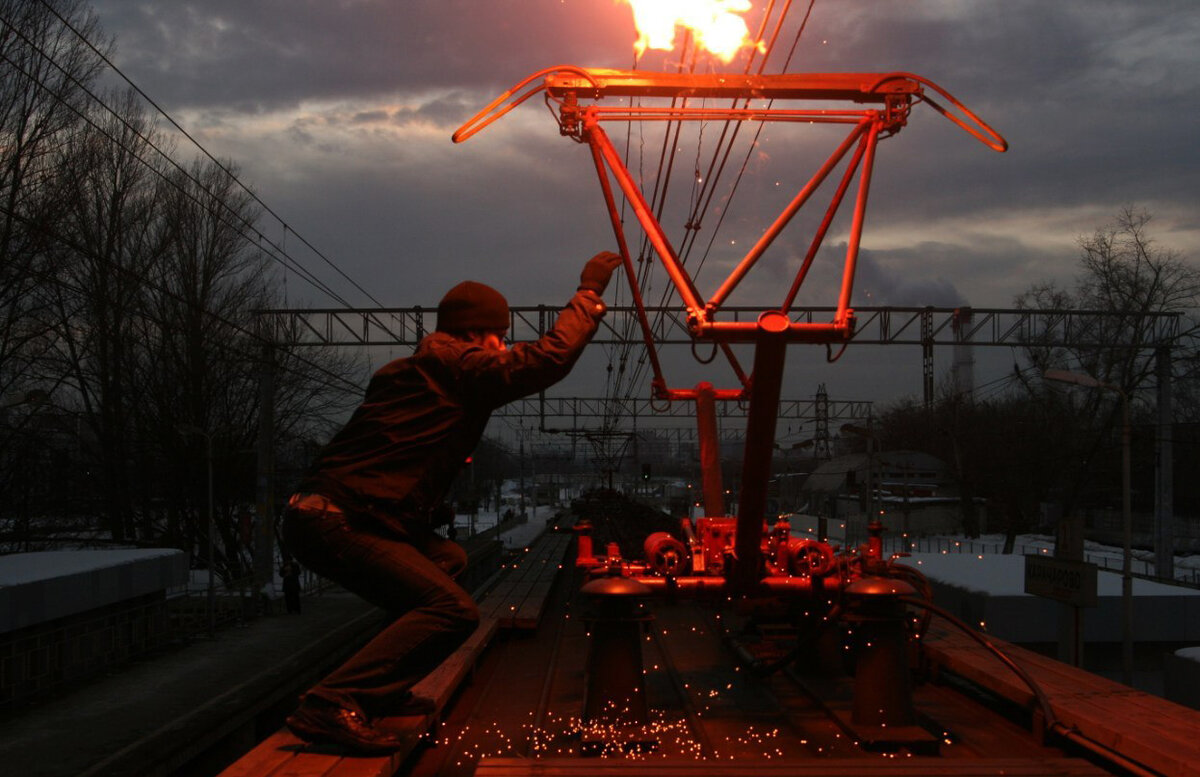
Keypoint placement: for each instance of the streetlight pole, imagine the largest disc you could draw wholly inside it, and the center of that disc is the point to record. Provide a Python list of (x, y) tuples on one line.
[(212, 584), (521, 438), (785, 485), (1127, 550), (1080, 379), (212, 525), (871, 438)]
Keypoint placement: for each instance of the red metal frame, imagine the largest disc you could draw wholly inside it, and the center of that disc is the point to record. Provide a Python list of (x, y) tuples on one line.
[(702, 313), (887, 97), (596, 83), (773, 331)]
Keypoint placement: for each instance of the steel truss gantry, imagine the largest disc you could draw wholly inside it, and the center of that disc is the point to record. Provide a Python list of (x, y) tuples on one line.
[(927, 327), (924, 326), (554, 410)]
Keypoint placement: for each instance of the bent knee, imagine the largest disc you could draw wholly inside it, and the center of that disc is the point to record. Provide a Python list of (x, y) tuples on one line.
[(460, 614), (467, 616), (452, 560)]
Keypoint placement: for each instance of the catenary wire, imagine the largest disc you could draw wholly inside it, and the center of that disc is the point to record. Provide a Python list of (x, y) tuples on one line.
[(277, 253), (754, 142), (344, 382), (334, 381), (206, 153), (722, 150)]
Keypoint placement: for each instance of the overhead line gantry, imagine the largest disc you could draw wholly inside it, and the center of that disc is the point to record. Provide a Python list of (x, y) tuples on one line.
[(927, 327), (932, 326)]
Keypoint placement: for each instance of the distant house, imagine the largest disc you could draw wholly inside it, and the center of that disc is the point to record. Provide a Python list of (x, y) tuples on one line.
[(911, 491)]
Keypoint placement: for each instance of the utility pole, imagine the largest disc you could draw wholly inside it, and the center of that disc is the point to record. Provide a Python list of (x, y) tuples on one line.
[(212, 527), (1164, 480), (521, 438), (1081, 379), (264, 534)]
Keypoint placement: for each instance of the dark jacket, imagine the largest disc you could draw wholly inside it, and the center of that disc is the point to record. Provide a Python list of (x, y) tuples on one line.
[(423, 416)]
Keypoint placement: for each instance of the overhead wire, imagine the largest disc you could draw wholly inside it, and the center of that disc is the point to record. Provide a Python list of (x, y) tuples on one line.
[(277, 254), (621, 382), (334, 381), (103, 57), (722, 150), (750, 149), (117, 142), (999, 385), (618, 356), (658, 204), (242, 226), (644, 261), (613, 384)]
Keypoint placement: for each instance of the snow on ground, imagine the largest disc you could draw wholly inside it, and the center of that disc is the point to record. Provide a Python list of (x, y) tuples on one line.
[(21, 568), (998, 574), (977, 565), (1106, 557)]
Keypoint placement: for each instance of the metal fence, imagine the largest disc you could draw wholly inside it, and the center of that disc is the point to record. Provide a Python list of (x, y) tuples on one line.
[(1105, 559)]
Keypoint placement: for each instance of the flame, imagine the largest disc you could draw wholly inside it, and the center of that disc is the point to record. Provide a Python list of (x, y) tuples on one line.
[(715, 25)]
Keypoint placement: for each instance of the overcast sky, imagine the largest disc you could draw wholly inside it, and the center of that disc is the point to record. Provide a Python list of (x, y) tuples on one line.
[(339, 115)]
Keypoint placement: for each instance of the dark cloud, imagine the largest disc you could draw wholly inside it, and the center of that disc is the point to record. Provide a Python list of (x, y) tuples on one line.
[(370, 117), (340, 115), (447, 112), (900, 279), (261, 54)]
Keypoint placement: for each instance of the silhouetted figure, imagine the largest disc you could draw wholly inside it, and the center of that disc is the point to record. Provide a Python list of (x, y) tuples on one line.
[(365, 514), (291, 587)]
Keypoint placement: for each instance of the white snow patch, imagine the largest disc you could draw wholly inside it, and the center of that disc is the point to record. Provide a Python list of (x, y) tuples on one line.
[(22, 568)]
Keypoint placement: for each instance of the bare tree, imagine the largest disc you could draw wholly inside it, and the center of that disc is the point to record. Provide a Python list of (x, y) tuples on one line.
[(128, 291), (1042, 444), (204, 388), (109, 247), (1125, 275), (206, 283), (204, 347), (1008, 450), (44, 72)]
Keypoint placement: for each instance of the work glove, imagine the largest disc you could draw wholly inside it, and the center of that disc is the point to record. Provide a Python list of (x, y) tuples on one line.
[(598, 271)]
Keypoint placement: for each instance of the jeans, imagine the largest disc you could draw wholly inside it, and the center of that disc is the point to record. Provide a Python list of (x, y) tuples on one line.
[(409, 576)]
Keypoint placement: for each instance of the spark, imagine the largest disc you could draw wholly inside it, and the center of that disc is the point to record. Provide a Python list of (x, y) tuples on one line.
[(715, 25)]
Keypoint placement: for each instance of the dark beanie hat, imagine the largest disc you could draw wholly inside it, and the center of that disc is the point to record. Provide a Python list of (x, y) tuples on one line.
[(472, 307)]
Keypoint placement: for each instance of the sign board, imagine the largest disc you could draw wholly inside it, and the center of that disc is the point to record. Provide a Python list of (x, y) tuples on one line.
[(1072, 582)]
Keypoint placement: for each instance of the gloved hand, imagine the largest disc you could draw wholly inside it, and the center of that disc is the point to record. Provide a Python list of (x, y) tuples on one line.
[(598, 271)]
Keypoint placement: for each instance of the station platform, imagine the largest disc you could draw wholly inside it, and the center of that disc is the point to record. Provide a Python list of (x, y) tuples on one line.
[(246, 676), (114, 725)]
